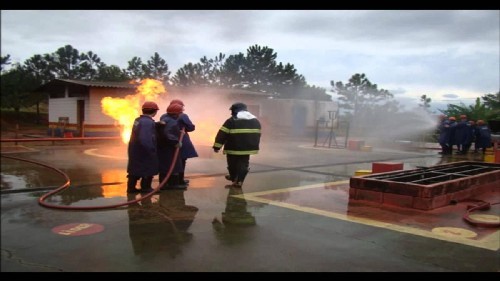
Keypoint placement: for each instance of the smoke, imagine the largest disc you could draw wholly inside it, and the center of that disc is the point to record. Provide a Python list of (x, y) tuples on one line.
[(386, 127), (206, 108)]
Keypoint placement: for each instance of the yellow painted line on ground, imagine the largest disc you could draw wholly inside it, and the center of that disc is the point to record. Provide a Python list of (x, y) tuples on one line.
[(490, 242), (93, 153), (288, 189)]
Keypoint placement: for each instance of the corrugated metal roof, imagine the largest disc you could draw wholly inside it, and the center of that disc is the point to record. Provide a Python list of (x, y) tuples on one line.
[(128, 85), (101, 84)]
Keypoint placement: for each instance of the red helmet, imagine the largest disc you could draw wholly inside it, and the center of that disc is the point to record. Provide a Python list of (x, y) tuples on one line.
[(150, 105), (175, 108), (177, 101)]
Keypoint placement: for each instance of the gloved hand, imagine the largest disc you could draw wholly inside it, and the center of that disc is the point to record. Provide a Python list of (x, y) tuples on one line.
[(216, 150), (178, 145)]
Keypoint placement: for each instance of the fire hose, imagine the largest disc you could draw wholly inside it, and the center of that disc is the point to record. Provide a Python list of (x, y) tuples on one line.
[(481, 205), (66, 185)]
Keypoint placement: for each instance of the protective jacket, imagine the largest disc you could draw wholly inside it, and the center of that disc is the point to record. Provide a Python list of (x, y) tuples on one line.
[(483, 137), (168, 138), (142, 151), (187, 149), (240, 135)]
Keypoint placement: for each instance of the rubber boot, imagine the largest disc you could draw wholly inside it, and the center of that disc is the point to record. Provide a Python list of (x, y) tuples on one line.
[(146, 184), (242, 174), (131, 183), (182, 181), (161, 177), (173, 183)]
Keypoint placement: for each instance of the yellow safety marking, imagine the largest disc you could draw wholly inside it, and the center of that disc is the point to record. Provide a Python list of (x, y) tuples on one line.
[(490, 242), (93, 153), (454, 232), (485, 218)]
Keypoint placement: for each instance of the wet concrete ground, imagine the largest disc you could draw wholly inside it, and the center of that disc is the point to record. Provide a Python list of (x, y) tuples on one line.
[(292, 214)]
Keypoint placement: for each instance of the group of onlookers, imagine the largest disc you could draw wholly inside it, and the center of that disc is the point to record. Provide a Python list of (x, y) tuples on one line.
[(462, 134)]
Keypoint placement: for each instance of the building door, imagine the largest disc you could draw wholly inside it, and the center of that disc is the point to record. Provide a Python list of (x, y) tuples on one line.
[(299, 114), (80, 116)]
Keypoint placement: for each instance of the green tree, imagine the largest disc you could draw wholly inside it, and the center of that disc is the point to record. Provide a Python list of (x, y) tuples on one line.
[(157, 68), (425, 102), (259, 69), (211, 69), (205, 73), (17, 85), (89, 65), (232, 71), (189, 75), (111, 73), (474, 112), (39, 67), (492, 102), (4, 61), (136, 69), (65, 62), (361, 101), (359, 93), (288, 83)]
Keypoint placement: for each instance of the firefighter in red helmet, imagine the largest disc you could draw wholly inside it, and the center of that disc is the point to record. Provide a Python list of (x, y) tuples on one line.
[(462, 135), (168, 141), (150, 105), (142, 152), (483, 136), (187, 150)]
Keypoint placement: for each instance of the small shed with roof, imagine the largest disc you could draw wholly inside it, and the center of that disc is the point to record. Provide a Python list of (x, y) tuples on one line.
[(75, 106)]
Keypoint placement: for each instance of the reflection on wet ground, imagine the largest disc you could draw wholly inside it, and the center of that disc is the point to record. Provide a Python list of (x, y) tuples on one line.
[(292, 214)]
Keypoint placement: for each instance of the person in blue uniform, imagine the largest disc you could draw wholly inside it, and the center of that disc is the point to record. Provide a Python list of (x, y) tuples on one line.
[(483, 136), (169, 135), (240, 137), (444, 135), (461, 134), (187, 150), (142, 150)]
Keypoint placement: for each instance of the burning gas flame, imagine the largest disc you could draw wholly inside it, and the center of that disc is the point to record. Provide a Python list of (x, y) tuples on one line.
[(126, 109)]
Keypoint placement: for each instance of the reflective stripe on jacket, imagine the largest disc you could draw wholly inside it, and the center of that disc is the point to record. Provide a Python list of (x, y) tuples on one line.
[(240, 135)]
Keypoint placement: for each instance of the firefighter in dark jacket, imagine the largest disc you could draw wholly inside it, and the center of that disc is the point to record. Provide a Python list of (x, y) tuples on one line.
[(169, 135), (142, 152), (187, 150), (240, 137), (483, 136)]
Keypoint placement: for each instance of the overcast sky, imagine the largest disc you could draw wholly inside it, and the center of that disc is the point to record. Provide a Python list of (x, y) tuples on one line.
[(451, 56)]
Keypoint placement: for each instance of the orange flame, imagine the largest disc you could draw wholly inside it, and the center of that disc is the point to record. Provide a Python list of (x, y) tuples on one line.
[(126, 109), (205, 132)]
